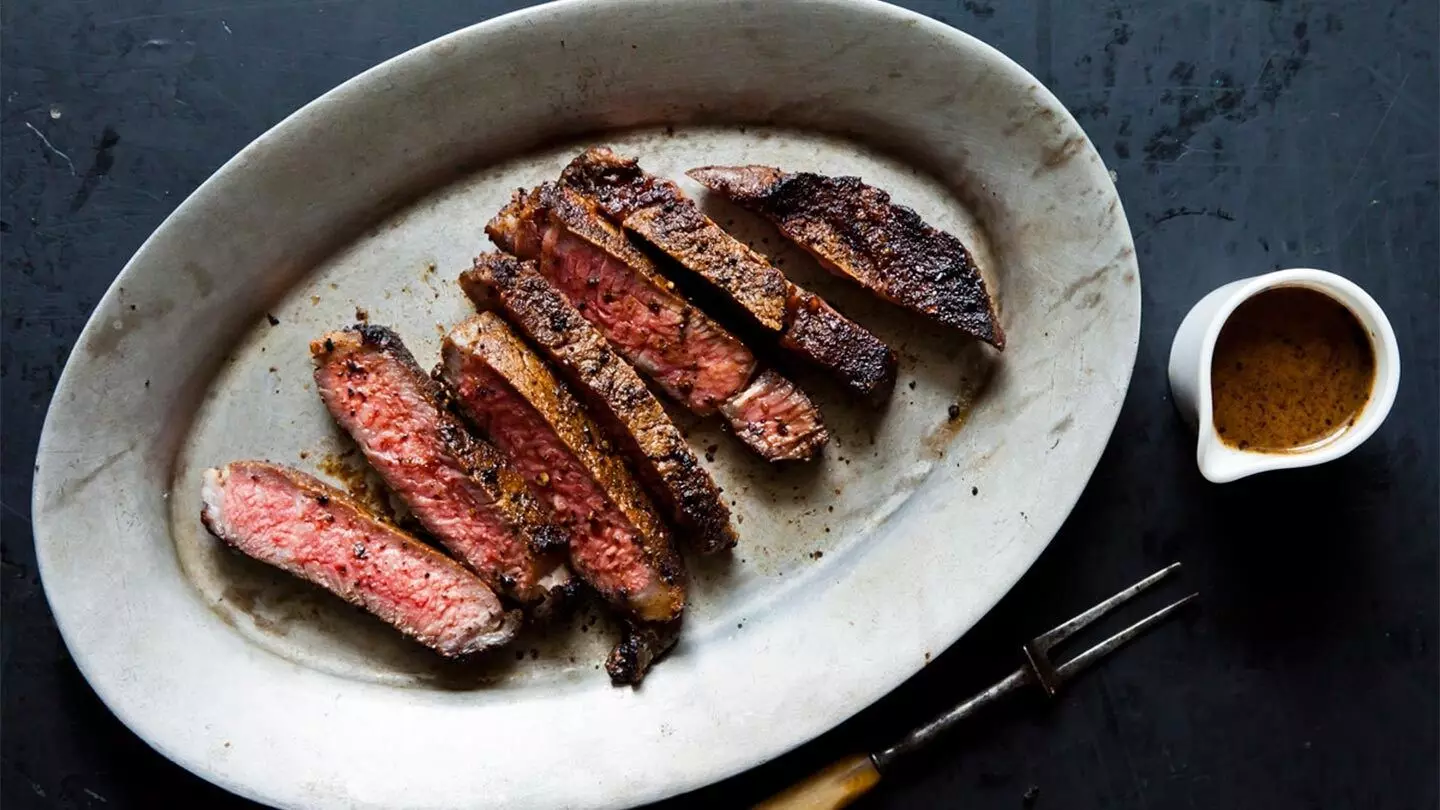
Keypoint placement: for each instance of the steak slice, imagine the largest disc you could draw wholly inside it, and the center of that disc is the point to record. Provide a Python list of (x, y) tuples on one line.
[(616, 394), (857, 233), (691, 357), (459, 487), (321, 535), (856, 357), (658, 210), (618, 542)]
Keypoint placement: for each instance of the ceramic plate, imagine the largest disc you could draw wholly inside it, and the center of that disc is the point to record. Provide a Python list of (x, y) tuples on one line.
[(852, 572)]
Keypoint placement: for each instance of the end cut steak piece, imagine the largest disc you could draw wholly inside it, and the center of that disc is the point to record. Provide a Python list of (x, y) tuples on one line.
[(617, 395), (856, 232), (853, 355), (318, 533), (775, 418), (695, 360), (640, 647), (618, 543), (459, 487), (657, 210)]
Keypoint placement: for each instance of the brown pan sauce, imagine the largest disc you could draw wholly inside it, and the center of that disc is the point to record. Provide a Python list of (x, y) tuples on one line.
[(1292, 369)]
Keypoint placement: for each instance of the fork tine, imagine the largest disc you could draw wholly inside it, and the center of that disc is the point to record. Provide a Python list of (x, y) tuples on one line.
[(1071, 627), (1068, 669)]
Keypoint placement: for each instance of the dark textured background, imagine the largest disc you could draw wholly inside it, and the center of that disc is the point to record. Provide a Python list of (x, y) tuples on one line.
[(1248, 135)]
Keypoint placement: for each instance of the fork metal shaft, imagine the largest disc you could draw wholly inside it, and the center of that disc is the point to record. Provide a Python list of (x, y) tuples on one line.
[(922, 736)]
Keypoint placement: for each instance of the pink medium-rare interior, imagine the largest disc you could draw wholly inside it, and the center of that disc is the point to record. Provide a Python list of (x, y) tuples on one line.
[(376, 399), (774, 414), (690, 356), (603, 543), (267, 516)]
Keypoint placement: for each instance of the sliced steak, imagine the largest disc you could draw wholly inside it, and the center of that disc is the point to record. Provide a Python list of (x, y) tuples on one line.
[(318, 533), (459, 487), (657, 210), (616, 394), (618, 543), (856, 232), (692, 358), (695, 360), (778, 418), (856, 357)]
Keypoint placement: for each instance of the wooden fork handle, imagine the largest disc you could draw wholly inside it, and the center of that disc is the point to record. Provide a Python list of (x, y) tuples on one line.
[(835, 787)]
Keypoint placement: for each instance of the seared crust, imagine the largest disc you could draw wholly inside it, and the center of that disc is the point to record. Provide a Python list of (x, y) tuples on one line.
[(486, 339), (657, 210), (855, 231), (639, 648), (617, 396), (814, 329), (543, 576), (693, 239)]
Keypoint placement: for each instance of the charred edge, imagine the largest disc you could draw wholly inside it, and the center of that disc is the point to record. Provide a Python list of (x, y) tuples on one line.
[(557, 602), (494, 269), (490, 477), (458, 441), (863, 362), (616, 183), (669, 564), (211, 526), (382, 337), (699, 502), (548, 537), (641, 646), (968, 307)]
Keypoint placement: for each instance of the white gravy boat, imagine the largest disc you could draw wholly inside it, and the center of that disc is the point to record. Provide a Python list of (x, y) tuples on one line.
[(1192, 353)]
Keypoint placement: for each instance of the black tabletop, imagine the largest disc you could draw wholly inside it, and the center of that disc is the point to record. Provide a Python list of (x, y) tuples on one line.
[(1246, 136)]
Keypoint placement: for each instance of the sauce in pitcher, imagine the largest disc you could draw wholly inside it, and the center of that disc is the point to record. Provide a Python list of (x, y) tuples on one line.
[(1292, 369)]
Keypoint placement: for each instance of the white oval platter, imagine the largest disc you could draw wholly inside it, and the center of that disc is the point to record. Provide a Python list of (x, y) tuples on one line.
[(852, 572)]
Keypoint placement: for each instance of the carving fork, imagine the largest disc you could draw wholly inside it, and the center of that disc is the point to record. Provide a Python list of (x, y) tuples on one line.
[(850, 778)]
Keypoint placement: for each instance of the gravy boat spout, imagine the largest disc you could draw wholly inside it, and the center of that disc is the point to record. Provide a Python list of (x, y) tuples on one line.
[(1192, 355)]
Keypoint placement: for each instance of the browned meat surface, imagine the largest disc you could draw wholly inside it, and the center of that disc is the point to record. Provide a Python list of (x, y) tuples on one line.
[(460, 488), (658, 211), (855, 231), (296, 523), (779, 418), (616, 394), (615, 287), (618, 543), (859, 359), (640, 647)]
